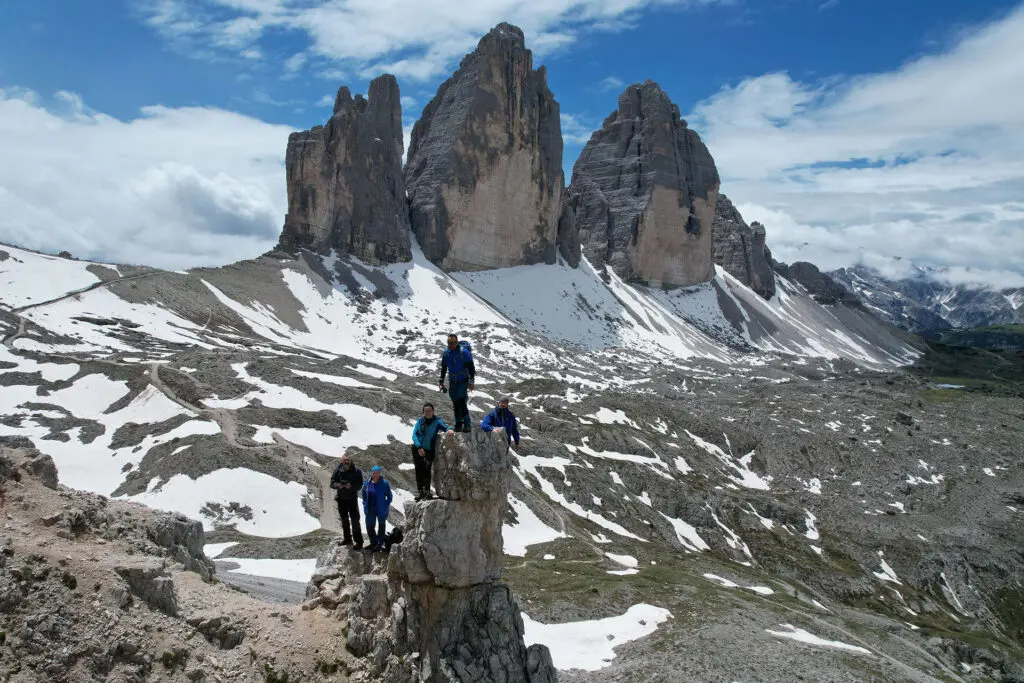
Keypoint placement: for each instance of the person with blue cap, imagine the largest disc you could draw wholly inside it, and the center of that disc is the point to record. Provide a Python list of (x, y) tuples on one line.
[(376, 506)]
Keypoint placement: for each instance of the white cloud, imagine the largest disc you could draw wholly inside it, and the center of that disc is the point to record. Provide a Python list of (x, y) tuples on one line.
[(294, 63), (925, 162), (610, 83), (171, 188), (411, 38), (408, 102), (326, 101), (574, 130)]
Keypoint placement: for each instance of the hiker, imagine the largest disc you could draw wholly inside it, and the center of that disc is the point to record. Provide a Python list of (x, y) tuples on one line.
[(501, 417), (347, 481), (457, 363), (376, 505), (424, 439)]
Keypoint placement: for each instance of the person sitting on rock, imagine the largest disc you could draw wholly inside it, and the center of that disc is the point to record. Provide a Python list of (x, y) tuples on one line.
[(457, 363), (424, 440), (376, 506), (347, 481), (502, 418)]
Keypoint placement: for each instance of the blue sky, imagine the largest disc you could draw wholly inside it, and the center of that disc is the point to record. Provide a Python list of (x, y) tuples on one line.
[(831, 121)]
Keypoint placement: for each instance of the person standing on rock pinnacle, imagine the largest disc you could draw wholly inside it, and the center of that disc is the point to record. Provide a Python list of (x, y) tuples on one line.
[(347, 481), (502, 418), (457, 363), (376, 506), (424, 439)]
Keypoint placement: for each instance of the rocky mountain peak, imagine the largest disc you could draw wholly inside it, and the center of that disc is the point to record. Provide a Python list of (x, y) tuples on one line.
[(345, 185), (643, 193), (741, 250), (485, 161)]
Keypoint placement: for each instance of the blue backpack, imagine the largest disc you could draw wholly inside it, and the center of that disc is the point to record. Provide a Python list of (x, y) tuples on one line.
[(458, 361)]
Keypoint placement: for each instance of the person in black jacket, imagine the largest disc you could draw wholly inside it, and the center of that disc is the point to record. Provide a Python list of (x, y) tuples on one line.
[(347, 480)]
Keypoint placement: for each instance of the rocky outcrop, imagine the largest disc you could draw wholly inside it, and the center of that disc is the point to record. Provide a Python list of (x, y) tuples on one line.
[(741, 250), (485, 162), (435, 611), (643, 194), (345, 185), (820, 286)]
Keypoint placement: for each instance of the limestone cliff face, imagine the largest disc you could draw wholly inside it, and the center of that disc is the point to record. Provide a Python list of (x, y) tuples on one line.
[(345, 185), (434, 611), (484, 172), (741, 250), (643, 194)]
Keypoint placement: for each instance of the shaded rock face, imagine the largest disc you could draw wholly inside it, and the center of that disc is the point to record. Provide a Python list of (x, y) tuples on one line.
[(435, 612), (741, 250), (643, 194), (821, 287), (485, 162), (345, 185)]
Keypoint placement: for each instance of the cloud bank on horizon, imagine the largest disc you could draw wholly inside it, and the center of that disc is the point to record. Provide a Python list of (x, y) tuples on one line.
[(923, 163)]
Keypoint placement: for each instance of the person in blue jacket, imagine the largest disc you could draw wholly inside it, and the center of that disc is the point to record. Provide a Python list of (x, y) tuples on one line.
[(376, 506), (502, 417), (457, 363), (424, 441)]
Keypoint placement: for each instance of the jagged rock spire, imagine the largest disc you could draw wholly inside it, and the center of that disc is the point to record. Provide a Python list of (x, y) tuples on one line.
[(485, 161), (643, 194), (345, 185)]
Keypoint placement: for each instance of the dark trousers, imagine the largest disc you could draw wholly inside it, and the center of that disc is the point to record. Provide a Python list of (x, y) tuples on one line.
[(376, 535), (423, 465), (461, 408), (348, 510)]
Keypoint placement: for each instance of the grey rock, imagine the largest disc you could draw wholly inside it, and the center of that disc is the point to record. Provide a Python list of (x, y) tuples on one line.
[(741, 250), (456, 541), (185, 539), (485, 162), (820, 286), (152, 584), (345, 185), (220, 631), (643, 193)]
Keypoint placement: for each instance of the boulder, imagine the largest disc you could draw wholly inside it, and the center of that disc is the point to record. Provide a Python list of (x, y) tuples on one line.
[(643, 194), (184, 538), (345, 185), (151, 583), (741, 250), (484, 173)]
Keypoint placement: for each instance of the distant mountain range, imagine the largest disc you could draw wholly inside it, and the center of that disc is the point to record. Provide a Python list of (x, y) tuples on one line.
[(924, 304)]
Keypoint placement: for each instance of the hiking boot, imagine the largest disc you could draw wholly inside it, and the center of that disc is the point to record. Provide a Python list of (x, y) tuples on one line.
[(347, 541), (419, 496), (358, 546), (466, 429), (427, 495)]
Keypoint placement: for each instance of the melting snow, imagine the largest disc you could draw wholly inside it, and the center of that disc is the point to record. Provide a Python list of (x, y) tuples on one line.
[(742, 474), (886, 574), (212, 550), (529, 530), (686, 534), (275, 506), (286, 570), (794, 633), (589, 645), (812, 528), (334, 379)]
